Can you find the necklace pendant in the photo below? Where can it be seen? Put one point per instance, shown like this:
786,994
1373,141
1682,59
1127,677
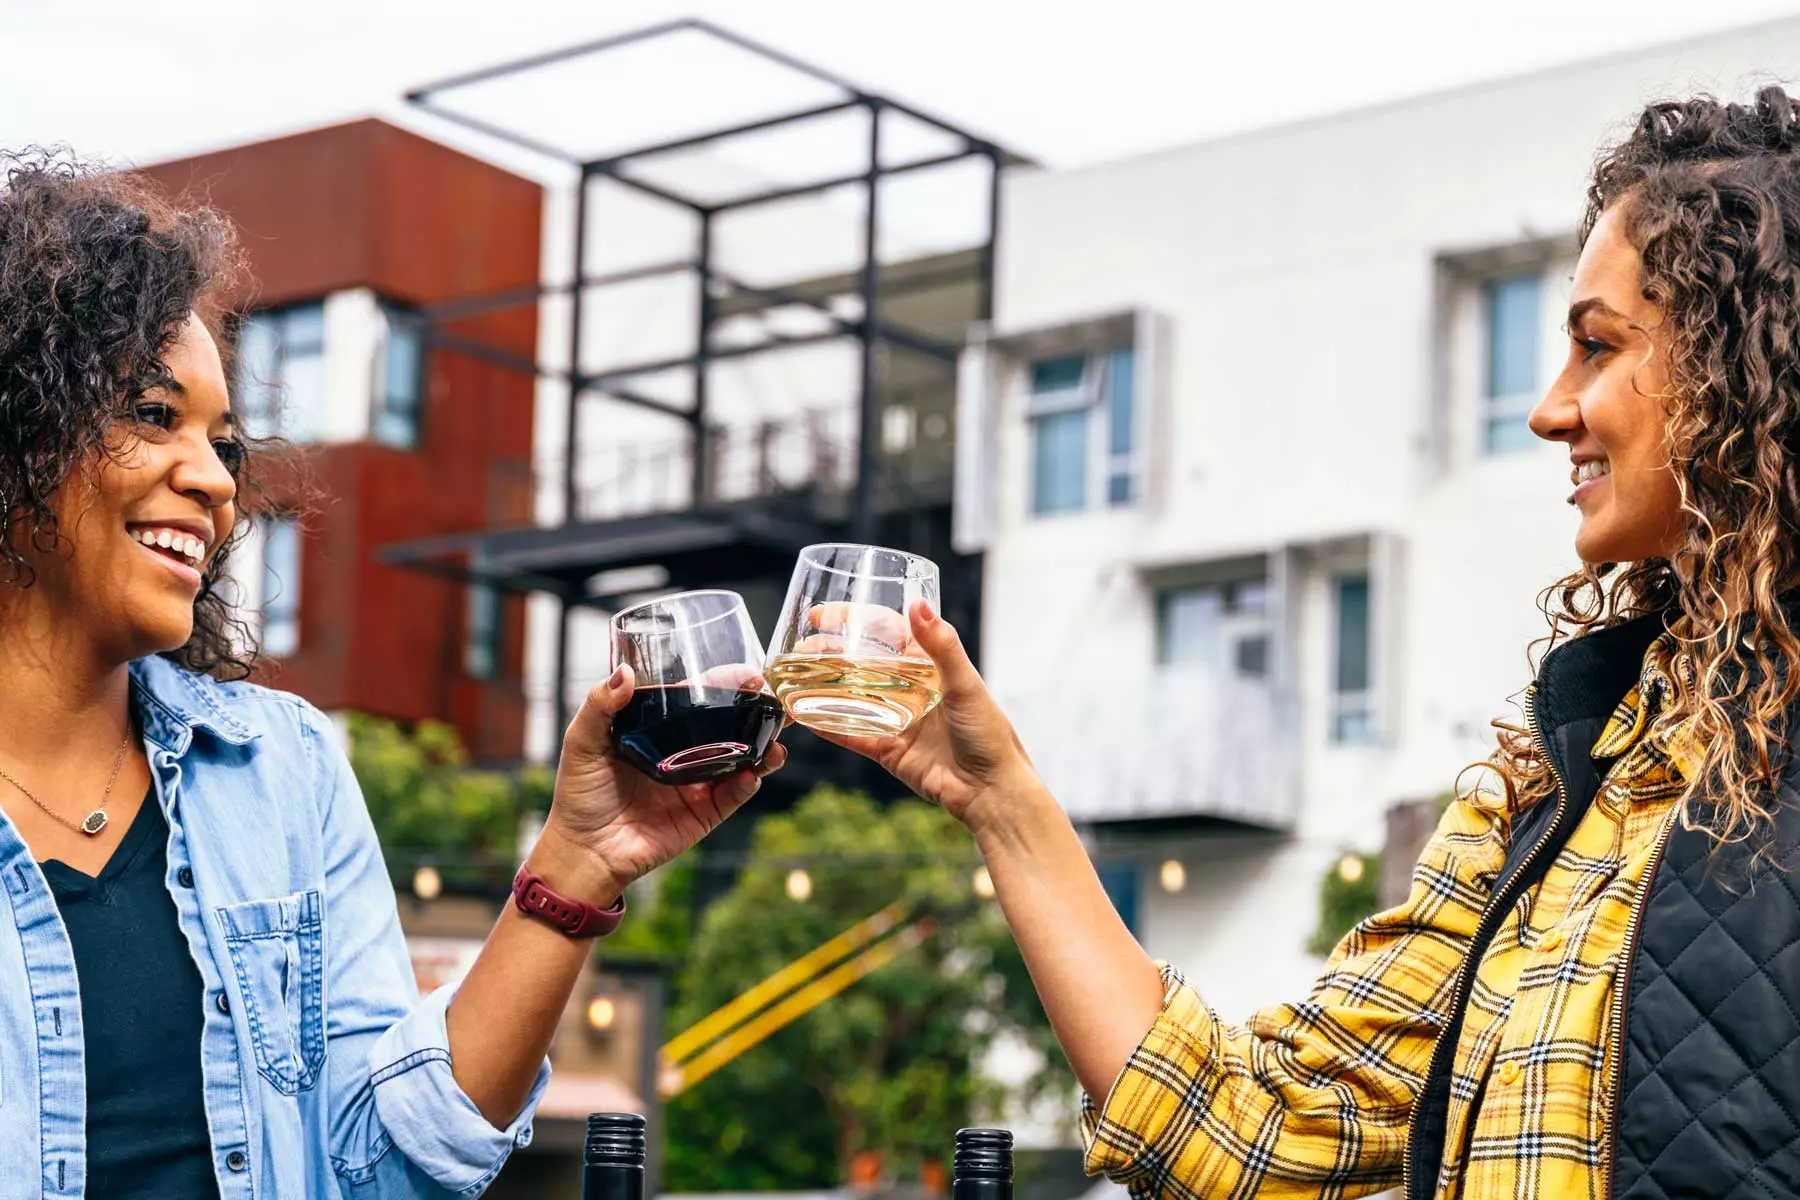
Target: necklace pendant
95,822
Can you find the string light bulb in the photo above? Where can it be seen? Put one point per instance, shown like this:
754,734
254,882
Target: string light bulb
427,883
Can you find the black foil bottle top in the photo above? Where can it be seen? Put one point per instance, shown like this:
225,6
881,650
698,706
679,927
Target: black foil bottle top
984,1154
614,1139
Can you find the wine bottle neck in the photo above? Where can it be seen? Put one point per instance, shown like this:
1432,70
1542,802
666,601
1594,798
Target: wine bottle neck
981,1189
612,1181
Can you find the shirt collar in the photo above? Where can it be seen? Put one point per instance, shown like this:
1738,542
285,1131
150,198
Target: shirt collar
173,702
1635,718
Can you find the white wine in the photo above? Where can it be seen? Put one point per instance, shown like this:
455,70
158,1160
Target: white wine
860,697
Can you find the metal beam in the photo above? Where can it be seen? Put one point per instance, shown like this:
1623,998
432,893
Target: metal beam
701,139
905,339
570,411
868,399
506,135
702,359
474,306
674,364
799,190
649,189
551,57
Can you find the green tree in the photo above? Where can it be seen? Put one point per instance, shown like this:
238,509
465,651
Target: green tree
423,797
886,1065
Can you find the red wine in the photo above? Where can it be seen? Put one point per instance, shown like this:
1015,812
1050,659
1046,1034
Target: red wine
683,734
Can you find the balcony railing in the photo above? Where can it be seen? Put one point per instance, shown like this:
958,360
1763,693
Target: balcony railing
1181,744
811,453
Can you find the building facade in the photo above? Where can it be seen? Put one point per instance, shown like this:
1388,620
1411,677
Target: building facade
1244,451
348,232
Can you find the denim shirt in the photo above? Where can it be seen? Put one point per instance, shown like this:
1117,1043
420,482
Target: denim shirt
325,1074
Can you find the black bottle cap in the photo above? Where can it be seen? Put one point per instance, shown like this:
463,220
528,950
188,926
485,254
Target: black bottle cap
615,1139
984,1154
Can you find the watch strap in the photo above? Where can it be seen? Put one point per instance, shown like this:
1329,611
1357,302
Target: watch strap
576,918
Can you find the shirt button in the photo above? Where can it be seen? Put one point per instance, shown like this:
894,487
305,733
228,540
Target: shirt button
236,1160
1509,1073
1552,939
184,877
222,1002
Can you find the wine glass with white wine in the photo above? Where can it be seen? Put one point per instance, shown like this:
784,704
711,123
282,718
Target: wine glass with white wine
843,660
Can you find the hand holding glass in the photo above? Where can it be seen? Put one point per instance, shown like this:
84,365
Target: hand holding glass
701,710
843,660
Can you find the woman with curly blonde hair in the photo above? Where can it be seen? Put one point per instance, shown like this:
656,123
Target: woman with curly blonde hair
1593,989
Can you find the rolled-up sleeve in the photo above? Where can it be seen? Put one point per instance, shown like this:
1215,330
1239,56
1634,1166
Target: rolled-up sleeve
1309,1098
401,1127
432,1122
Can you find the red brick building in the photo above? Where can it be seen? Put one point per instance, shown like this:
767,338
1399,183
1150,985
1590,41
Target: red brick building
348,230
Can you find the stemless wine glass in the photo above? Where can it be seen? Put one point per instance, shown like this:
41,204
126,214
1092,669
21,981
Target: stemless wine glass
843,659
701,710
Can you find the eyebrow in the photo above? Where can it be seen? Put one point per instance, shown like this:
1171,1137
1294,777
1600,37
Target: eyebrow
1579,310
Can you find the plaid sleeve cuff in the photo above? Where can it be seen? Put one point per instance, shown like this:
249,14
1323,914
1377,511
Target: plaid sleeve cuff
1121,1136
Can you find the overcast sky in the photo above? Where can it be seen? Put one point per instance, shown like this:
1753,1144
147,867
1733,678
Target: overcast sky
1069,83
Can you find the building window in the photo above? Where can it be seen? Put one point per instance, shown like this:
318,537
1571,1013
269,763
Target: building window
481,656
1512,311
400,382
281,372
1222,627
281,587
1083,414
1352,700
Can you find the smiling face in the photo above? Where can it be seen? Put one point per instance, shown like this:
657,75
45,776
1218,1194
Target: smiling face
141,525
1609,405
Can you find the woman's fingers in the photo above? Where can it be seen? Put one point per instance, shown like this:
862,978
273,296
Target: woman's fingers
939,639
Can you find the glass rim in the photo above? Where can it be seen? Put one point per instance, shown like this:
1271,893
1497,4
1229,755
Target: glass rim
738,607
806,556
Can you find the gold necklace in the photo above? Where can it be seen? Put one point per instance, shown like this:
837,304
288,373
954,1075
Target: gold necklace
95,821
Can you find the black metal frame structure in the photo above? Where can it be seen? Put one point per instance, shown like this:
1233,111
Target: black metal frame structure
549,558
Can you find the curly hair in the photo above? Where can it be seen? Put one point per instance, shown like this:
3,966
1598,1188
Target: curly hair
98,272
1709,195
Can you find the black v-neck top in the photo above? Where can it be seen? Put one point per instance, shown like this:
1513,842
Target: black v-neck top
141,1018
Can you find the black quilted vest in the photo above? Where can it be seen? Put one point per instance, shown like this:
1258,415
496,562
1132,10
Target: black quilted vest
1710,1102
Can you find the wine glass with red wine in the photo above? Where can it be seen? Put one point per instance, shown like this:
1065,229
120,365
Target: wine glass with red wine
702,709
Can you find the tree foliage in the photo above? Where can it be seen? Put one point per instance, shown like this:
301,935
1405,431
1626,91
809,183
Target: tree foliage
889,1064
425,800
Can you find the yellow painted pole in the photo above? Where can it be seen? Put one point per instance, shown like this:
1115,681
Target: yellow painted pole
787,978
797,1005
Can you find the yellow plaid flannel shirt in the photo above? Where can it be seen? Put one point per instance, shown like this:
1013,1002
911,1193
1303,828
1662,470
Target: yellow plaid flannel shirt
1315,1098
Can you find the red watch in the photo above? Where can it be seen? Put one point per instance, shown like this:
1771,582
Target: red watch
577,918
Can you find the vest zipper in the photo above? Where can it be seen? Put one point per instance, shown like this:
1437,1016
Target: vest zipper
1615,1076
1465,981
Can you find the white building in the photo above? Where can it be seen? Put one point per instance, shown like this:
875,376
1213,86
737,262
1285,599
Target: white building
1264,530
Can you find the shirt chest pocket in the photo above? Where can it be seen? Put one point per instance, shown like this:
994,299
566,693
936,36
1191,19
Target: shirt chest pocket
277,950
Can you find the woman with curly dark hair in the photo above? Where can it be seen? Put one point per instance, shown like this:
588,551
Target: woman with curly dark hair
1593,989
203,986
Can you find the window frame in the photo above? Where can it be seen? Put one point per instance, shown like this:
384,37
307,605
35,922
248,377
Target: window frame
271,418
279,601
1508,410
399,318
1353,712
1236,621
1105,372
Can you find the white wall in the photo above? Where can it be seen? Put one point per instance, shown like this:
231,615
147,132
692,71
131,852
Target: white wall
1299,269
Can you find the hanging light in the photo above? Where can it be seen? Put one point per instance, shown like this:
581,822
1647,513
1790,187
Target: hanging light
427,883
1350,868
799,884
601,1013
1172,876
983,883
